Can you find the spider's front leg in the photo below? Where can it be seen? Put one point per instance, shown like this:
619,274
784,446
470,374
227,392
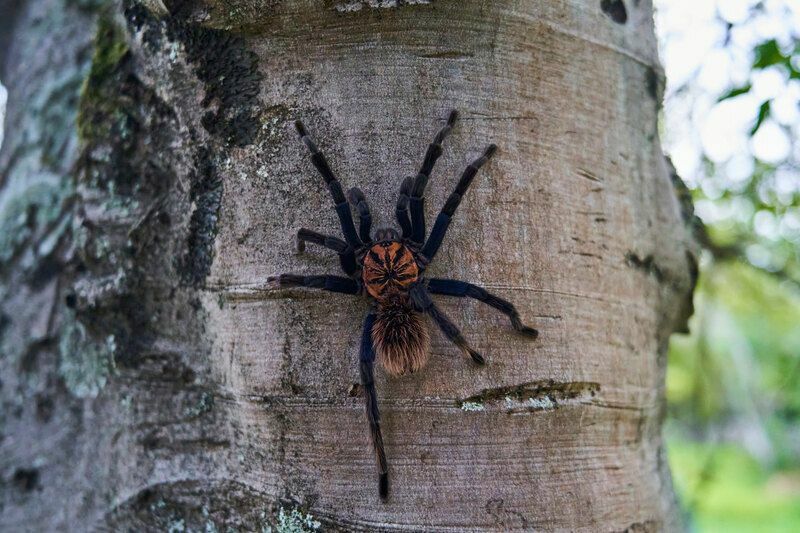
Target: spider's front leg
401,210
357,200
448,210
347,257
367,370
335,188
417,191
327,283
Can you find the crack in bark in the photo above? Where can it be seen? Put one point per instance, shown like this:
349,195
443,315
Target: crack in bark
446,54
588,175
357,5
532,396
648,526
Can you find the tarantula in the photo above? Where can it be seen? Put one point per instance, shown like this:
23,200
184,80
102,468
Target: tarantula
389,267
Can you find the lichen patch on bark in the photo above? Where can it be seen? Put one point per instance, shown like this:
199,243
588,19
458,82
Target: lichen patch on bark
85,364
532,396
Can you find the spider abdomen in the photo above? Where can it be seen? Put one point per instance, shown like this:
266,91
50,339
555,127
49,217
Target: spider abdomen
400,337
389,269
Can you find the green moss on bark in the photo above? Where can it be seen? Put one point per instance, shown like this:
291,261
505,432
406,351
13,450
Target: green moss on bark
97,100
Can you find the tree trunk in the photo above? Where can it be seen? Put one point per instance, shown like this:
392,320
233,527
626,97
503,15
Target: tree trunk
152,181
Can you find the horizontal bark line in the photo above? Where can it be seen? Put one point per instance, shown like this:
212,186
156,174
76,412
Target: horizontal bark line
354,401
600,44
258,291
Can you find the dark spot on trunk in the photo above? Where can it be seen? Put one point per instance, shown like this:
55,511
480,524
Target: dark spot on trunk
684,196
206,194
28,360
222,62
47,269
5,321
150,441
505,517
615,9
647,265
687,305
70,300
232,83
651,79
26,479
44,408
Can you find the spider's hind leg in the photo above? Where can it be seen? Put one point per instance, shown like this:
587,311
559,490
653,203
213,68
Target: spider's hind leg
462,289
422,301
367,370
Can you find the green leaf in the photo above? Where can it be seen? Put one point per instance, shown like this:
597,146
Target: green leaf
763,113
768,53
736,91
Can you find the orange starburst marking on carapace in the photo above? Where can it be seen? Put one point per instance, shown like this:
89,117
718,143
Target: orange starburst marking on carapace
389,269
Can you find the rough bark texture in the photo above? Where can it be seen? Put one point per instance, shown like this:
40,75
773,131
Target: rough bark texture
151,181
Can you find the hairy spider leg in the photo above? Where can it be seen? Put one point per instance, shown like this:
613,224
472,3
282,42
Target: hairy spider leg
421,300
445,216
401,211
416,200
325,282
367,370
461,289
342,207
357,199
347,257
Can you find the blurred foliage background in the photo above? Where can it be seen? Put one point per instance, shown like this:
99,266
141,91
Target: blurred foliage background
730,124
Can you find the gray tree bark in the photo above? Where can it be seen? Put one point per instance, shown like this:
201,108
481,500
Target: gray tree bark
151,181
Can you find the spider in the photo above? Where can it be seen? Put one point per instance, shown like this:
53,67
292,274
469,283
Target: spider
388,268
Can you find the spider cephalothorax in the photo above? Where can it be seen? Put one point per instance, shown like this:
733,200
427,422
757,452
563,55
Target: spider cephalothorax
388,268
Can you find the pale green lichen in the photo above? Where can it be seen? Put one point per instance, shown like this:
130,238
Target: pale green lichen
35,186
352,6
204,405
160,504
210,527
177,526
541,403
3,100
534,404
84,363
294,521
26,207
472,406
